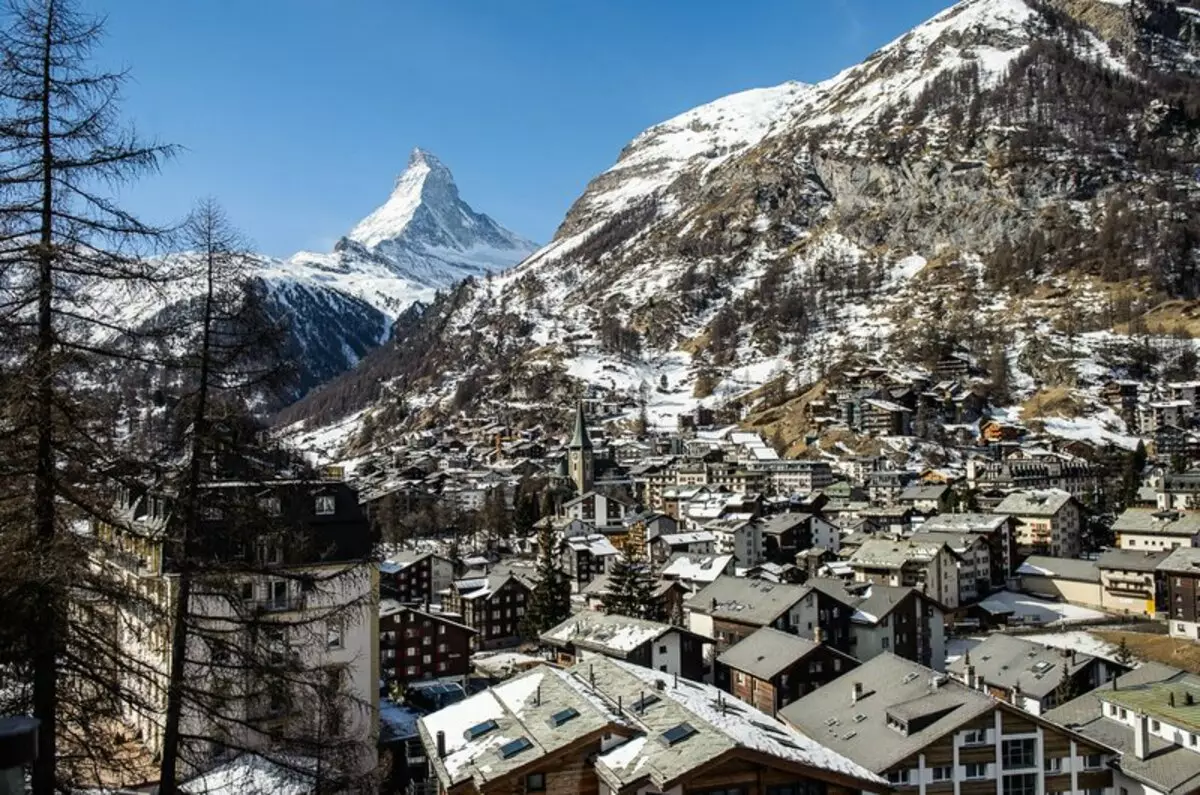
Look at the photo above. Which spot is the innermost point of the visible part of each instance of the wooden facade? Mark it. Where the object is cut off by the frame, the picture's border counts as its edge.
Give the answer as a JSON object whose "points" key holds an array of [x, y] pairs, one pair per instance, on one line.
{"points": [[416, 645], [804, 675], [495, 616]]}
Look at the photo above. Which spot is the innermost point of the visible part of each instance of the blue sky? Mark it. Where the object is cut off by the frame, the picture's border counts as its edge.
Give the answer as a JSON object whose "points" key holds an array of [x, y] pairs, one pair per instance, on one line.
{"points": [[298, 114]]}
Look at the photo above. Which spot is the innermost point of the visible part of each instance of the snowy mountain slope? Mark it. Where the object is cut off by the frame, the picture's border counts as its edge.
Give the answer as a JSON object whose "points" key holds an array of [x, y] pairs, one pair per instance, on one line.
{"points": [[1005, 171], [340, 305]]}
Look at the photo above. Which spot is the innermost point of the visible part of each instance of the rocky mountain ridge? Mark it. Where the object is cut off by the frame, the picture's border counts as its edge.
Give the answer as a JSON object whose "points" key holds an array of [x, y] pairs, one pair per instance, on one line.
{"points": [[1013, 176]]}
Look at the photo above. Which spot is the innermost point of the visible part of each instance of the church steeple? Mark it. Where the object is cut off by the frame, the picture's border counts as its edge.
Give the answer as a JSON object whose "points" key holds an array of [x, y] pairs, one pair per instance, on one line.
{"points": [[580, 439], [579, 454]]}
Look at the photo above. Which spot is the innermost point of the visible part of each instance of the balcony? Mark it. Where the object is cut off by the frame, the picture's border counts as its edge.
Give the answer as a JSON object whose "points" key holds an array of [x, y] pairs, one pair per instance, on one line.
{"points": [[127, 561], [280, 604]]}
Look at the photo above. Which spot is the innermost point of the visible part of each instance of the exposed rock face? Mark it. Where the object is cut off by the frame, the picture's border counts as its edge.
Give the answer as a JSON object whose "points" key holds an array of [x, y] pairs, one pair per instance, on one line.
{"points": [[920, 199]]}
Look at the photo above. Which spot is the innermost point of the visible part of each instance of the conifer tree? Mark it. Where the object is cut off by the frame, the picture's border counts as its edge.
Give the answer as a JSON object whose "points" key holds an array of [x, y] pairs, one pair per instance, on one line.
{"points": [[630, 584], [550, 602]]}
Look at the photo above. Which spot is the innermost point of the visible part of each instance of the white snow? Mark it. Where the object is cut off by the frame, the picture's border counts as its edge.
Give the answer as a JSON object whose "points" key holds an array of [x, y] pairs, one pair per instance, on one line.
{"points": [[1077, 640], [251, 774], [1038, 611]]}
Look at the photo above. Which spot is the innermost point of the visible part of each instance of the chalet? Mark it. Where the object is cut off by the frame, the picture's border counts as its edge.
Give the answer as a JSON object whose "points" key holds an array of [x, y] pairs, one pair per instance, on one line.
{"points": [[1028, 675], [416, 578], [607, 726], [996, 530], [894, 520], [996, 431], [733, 608], [696, 571], [1048, 522], [492, 605], [1147, 717], [418, 644], [1130, 581], [1181, 570], [785, 534], [771, 669], [586, 557], [661, 647], [879, 417], [1172, 442], [903, 621], [1067, 579], [738, 536], [974, 557], [601, 510], [779, 572], [662, 547], [926, 498], [932, 568], [926, 733], [1141, 529], [1177, 491]]}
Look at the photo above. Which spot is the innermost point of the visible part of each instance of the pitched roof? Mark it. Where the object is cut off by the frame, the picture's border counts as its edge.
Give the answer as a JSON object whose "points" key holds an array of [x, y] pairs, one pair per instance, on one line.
{"points": [[1168, 768], [768, 652], [923, 493], [719, 724], [963, 523], [1155, 522], [1062, 568], [519, 707], [1007, 661], [579, 438], [746, 601], [1131, 559], [610, 634], [696, 568], [884, 553], [1182, 559], [1033, 502], [891, 686]]}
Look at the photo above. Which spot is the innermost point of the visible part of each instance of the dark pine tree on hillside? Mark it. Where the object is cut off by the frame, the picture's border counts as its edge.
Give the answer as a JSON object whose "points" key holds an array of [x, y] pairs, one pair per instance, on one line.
{"points": [[550, 603]]}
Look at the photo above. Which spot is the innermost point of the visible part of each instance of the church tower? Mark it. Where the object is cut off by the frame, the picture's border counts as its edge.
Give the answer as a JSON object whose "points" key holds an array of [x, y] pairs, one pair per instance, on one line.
{"points": [[579, 454]]}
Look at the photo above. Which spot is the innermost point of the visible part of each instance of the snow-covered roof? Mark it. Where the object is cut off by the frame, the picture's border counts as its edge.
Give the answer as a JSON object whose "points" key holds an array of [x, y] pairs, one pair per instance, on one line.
{"points": [[251, 773], [696, 568], [607, 633], [697, 537]]}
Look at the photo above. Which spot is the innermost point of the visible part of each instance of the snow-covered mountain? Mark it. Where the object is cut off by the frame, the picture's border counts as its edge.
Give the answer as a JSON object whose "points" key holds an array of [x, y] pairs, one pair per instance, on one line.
{"points": [[340, 305], [1011, 175]]}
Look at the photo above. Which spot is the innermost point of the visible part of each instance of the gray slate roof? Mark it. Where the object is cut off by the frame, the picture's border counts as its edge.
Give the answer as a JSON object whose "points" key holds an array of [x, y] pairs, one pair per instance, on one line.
{"points": [[963, 523], [859, 730], [746, 601], [1182, 559], [1063, 568], [1033, 502], [1131, 559], [1149, 520], [884, 553], [1167, 767], [767, 652], [1007, 661]]}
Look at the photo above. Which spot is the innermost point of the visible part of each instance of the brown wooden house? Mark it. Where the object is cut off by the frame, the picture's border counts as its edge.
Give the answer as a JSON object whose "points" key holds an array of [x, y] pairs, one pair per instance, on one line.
{"points": [[492, 605], [415, 578], [926, 733], [606, 726], [416, 644], [771, 669]]}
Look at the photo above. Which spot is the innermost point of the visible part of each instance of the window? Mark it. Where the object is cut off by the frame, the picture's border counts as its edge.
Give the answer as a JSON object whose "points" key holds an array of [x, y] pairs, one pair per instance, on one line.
{"points": [[1019, 753], [411, 651], [270, 506], [535, 782], [977, 737], [662, 649], [479, 729], [677, 734], [944, 773], [837, 665], [511, 749], [426, 659], [442, 629], [1053, 764], [1124, 713], [247, 591], [1155, 726], [326, 505], [1093, 762], [814, 667], [897, 776], [975, 770], [334, 638], [279, 596], [562, 716], [884, 643], [1024, 784]]}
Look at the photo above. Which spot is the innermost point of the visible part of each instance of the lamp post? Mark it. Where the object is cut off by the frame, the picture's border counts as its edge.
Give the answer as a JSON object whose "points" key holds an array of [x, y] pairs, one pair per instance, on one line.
{"points": [[18, 749]]}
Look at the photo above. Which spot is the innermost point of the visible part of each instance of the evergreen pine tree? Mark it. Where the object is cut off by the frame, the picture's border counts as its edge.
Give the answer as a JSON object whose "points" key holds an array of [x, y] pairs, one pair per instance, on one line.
{"points": [[1123, 655], [550, 602], [630, 585]]}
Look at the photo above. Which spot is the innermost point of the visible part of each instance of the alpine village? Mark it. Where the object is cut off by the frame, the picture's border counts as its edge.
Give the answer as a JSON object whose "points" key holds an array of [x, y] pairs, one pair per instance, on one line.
{"points": [[845, 438]]}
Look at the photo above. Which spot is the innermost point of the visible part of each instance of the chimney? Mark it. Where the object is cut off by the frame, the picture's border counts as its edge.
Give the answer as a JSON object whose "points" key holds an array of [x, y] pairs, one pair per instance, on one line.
{"points": [[1073, 652], [714, 604], [676, 684], [1016, 694], [856, 692], [537, 697], [1171, 699], [441, 745], [1141, 735], [971, 680]]}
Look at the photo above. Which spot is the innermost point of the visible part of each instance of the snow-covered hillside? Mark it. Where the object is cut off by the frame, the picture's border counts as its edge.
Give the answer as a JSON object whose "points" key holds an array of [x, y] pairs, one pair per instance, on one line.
{"points": [[954, 189], [340, 305]]}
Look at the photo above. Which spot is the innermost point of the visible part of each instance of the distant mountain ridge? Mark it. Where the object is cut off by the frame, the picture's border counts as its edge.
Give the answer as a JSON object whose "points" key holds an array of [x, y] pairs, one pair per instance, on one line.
{"points": [[1011, 175]]}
